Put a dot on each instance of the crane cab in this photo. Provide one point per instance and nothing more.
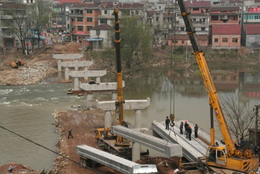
(216, 155)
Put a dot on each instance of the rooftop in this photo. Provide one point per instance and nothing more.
(226, 29)
(252, 28)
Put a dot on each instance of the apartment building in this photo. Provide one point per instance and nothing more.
(8, 39)
(83, 16)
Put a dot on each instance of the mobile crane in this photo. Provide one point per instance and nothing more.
(217, 156)
(104, 135)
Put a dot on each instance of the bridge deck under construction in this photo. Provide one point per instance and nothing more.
(192, 149)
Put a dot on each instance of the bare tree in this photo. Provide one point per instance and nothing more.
(39, 15)
(238, 116)
(15, 19)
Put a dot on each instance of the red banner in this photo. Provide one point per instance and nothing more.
(79, 32)
(254, 10)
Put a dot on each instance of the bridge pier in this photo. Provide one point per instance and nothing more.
(136, 105)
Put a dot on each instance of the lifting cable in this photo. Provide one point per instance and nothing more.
(38, 144)
(173, 47)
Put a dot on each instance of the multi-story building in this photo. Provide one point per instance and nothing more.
(8, 39)
(226, 36)
(251, 35)
(83, 16)
(225, 14)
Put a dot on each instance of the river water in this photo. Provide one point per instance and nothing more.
(27, 110)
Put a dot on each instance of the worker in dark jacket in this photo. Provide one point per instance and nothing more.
(189, 132)
(70, 134)
(167, 122)
(186, 126)
(196, 128)
(181, 128)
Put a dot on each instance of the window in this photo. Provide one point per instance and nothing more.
(72, 19)
(203, 29)
(251, 39)
(88, 28)
(105, 12)
(68, 26)
(216, 40)
(89, 19)
(157, 18)
(80, 28)
(79, 19)
(103, 21)
(214, 18)
(223, 78)
(89, 11)
(159, 7)
(182, 28)
(224, 39)
(233, 78)
(195, 9)
(234, 40)
(182, 42)
(176, 41)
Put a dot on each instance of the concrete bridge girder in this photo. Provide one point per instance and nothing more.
(90, 73)
(107, 86)
(67, 56)
(128, 105)
(163, 146)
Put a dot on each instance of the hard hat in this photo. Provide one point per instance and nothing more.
(189, 125)
(185, 121)
(12, 163)
(234, 141)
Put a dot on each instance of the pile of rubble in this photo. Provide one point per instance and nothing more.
(27, 75)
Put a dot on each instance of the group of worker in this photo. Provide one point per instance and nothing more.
(187, 128)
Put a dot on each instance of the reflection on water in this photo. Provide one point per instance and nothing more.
(28, 110)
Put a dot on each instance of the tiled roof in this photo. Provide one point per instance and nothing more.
(226, 29)
(130, 5)
(197, 4)
(185, 37)
(82, 5)
(224, 9)
(252, 28)
(150, 13)
(168, 15)
(13, 6)
(101, 27)
(69, 1)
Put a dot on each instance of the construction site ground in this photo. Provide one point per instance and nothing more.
(83, 123)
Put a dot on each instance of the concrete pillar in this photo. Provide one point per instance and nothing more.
(136, 151)
(86, 73)
(89, 100)
(59, 75)
(98, 80)
(77, 66)
(76, 84)
(108, 119)
(114, 96)
(138, 118)
(59, 65)
(67, 74)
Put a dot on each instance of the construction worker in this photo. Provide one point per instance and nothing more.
(186, 126)
(11, 168)
(196, 130)
(189, 132)
(181, 128)
(70, 134)
(167, 122)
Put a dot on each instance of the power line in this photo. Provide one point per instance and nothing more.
(38, 144)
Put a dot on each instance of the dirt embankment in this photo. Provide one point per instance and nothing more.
(37, 65)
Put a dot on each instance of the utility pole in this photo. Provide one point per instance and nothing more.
(256, 121)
